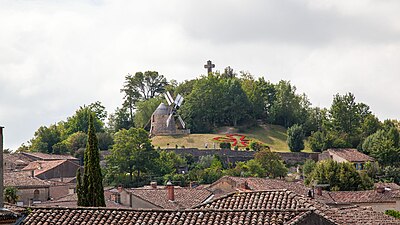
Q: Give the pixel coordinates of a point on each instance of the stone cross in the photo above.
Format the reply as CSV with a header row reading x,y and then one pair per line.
x,y
209,66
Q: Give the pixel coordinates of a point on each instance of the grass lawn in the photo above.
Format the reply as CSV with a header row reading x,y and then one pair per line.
x,y
272,135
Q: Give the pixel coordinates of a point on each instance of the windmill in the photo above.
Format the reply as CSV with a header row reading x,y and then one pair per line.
x,y
174,105
163,120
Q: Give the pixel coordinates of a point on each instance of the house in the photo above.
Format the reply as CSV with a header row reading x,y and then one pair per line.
x,y
38,156
14,162
380,199
71,200
51,169
346,155
163,197
275,207
30,189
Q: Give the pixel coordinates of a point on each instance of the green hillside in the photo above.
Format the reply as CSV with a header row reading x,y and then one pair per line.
x,y
272,135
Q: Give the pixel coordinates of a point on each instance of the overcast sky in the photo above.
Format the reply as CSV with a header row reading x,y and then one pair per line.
x,y
58,55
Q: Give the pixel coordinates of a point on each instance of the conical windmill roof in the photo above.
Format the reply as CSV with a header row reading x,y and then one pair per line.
x,y
162,109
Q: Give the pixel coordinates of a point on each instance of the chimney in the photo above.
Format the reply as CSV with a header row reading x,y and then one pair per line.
x,y
318,191
153,184
1,169
380,190
244,186
119,188
171,191
32,173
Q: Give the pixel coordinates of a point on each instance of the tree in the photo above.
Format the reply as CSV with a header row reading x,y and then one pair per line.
x,y
142,86
271,163
45,138
132,152
382,146
120,119
80,120
295,138
339,176
288,108
10,194
144,111
91,192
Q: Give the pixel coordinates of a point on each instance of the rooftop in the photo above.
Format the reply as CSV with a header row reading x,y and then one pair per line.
x,y
43,166
44,156
189,216
350,154
184,197
23,179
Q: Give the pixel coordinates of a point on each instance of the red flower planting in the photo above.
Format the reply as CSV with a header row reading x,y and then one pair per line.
x,y
235,140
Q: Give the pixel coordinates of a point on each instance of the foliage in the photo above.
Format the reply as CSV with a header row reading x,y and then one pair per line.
x,y
340,176
45,138
295,138
144,111
392,174
80,121
271,162
225,145
132,152
120,119
91,191
11,195
394,213
383,147
316,141
308,167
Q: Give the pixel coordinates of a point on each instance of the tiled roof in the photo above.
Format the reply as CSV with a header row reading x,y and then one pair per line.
x,y
43,166
350,154
167,217
23,179
360,216
369,196
184,197
44,156
287,200
16,158
71,201
272,199
257,184
391,186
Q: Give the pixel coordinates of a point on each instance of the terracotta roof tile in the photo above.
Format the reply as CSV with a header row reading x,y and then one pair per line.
x,y
369,196
158,217
350,154
184,197
23,179
360,216
44,156
43,166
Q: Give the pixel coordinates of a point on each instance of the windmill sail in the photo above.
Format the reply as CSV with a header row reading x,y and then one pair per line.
x,y
169,119
181,121
178,100
169,98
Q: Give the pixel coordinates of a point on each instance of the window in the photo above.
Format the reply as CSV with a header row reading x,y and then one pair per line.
x,y
36,195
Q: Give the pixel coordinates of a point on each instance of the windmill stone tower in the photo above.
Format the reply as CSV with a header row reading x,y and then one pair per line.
x,y
163,119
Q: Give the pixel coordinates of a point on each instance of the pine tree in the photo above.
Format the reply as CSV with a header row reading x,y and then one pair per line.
x,y
91,192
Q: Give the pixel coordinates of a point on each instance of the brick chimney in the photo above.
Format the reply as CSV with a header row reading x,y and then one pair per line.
x,y
1,169
153,184
380,190
171,191
318,191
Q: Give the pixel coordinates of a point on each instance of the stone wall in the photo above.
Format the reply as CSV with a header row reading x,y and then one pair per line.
x,y
231,156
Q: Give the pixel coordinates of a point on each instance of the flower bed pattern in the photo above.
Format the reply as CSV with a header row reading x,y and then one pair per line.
x,y
235,140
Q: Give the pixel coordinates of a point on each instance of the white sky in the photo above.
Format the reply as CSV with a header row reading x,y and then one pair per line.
x,y
57,55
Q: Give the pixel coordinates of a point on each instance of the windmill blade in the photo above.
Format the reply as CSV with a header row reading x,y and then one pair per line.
x,y
167,98
169,119
178,100
181,121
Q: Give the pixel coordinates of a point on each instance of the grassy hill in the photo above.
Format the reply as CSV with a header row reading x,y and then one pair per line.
x,y
272,135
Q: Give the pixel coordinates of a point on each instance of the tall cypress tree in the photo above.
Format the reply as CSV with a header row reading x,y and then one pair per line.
x,y
91,192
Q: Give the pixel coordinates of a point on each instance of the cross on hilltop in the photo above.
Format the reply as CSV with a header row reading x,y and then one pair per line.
x,y
209,66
